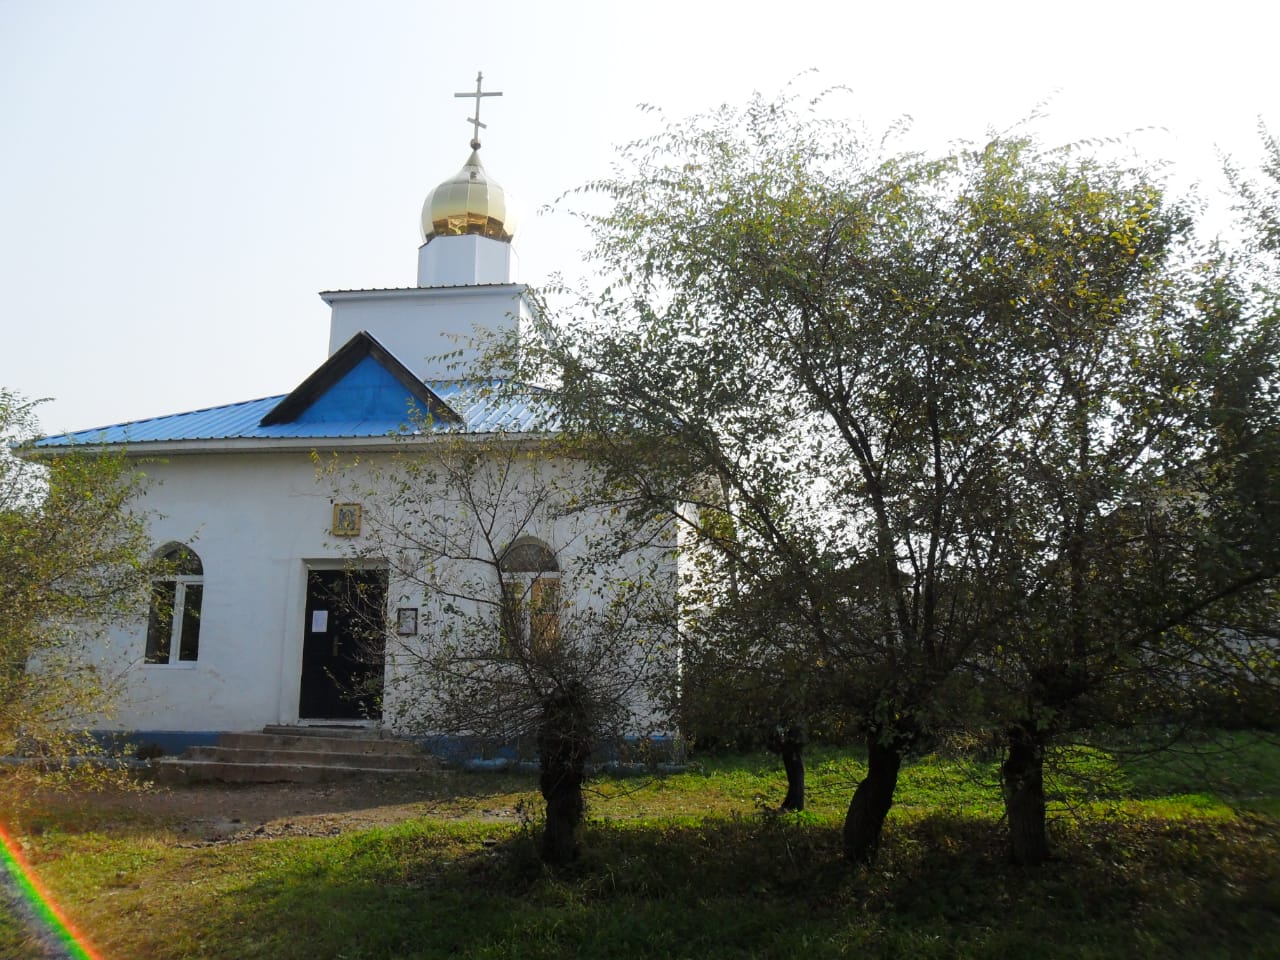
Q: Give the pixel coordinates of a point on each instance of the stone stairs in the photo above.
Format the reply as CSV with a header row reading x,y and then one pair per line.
x,y
297,755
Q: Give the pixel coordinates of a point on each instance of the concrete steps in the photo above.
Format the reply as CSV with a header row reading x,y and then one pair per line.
x,y
297,755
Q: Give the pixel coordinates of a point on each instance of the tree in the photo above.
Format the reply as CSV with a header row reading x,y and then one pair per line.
x,y
546,622
751,676
1130,531
741,687
920,389
781,321
74,559
1258,205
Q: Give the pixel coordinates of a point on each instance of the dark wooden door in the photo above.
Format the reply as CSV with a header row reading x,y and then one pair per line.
x,y
343,646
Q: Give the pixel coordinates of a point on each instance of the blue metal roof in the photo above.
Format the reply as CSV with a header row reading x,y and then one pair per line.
x,y
486,407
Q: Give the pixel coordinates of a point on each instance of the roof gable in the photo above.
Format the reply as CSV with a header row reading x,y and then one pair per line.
x,y
361,381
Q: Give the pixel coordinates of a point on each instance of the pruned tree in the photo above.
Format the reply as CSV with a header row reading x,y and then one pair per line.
x,y
931,396
741,687
751,674
545,621
782,320
75,558
1127,519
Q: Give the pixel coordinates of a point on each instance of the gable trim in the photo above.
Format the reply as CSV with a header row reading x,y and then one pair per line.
x,y
343,361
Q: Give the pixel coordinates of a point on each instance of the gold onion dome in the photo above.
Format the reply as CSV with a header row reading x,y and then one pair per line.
x,y
469,202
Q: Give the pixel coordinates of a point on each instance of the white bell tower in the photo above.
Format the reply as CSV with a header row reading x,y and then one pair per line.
x,y
467,271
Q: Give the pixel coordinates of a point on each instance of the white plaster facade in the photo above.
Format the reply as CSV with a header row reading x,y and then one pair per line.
x,y
259,523
434,331
468,259
256,520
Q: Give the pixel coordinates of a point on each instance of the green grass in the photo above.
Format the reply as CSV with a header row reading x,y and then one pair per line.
x,y
1152,859
14,941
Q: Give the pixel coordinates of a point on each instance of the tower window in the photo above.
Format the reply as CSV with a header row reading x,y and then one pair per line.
x,y
173,622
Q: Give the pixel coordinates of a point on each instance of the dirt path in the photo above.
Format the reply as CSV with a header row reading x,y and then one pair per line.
x,y
220,813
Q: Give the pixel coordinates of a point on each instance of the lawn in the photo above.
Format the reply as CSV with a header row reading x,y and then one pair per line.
x,y
1155,855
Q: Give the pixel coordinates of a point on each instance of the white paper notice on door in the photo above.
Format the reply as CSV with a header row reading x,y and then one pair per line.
x,y
319,621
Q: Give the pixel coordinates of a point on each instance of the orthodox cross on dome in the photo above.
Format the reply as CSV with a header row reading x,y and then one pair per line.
x,y
475,121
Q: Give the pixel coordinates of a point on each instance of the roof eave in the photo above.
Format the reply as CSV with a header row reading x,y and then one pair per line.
x,y
167,448
390,293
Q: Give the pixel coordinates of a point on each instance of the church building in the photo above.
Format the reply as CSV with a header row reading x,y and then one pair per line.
x,y
247,632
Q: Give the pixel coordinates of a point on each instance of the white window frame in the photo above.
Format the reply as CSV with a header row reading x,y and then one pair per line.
x,y
180,581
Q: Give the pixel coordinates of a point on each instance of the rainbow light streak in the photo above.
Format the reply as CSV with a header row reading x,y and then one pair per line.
x,y
42,905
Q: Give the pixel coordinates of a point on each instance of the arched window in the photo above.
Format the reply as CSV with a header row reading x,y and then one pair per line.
x,y
173,623
531,595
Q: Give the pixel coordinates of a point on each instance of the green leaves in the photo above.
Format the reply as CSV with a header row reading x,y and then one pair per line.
x,y
75,558
961,415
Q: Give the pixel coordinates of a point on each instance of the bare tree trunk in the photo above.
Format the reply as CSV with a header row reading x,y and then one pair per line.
x,y
789,743
1022,781
870,805
563,746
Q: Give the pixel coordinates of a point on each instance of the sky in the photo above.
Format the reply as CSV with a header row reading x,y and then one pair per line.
x,y
180,179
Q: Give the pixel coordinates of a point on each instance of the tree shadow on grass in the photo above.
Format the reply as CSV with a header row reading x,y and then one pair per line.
x,y
758,886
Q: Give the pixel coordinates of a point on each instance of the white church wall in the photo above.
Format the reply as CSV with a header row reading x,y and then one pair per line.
x,y
426,572
426,328
453,261
251,519
259,522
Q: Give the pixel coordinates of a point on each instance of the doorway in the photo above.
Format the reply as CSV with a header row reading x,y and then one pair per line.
x,y
343,645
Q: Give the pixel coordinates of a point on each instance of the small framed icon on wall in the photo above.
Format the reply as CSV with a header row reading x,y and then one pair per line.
x,y
346,519
407,621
